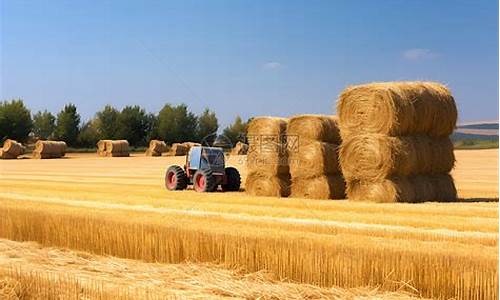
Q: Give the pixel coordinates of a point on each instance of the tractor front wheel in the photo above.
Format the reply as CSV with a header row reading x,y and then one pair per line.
x,y
233,180
175,178
204,181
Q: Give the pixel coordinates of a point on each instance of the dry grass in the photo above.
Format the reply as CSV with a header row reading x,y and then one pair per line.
x,y
44,270
442,249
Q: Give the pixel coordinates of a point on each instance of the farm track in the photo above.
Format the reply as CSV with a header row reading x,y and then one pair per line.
x,y
305,240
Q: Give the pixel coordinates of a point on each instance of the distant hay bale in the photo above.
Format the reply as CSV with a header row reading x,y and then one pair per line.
x,y
314,127
11,149
113,148
264,184
156,148
376,156
397,108
240,149
49,149
313,159
267,161
190,145
419,188
177,149
319,187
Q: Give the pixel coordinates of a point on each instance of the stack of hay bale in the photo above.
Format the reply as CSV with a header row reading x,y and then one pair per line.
x,y
113,148
49,149
313,142
396,145
156,148
240,149
267,162
11,149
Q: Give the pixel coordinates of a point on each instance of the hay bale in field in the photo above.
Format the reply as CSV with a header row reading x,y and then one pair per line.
x,y
318,187
190,145
269,185
314,127
267,161
397,108
312,144
101,147
313,159
11,149
117,148
377,156
177,149
240,149
49,149
419,188
156,148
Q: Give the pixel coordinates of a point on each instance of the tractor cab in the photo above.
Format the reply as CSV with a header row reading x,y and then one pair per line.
x,y
205,158
204,169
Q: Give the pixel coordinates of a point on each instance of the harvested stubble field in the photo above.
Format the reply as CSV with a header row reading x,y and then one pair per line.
x,y
118,206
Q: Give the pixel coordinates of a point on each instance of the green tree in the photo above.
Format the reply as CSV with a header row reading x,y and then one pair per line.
x,y
132,125
15,120
207,126
88,135
177,124
67,124
236,131
44,124
106,122
152,127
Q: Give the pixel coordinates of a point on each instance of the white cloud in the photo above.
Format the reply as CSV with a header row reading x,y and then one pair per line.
x,y
272,65
418,54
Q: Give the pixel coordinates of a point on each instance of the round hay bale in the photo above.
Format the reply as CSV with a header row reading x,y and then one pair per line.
x,y
157,146
397,108
6,155
264,184
414,189
190,145
313,159
177,150
267,153
272,126
319,187
101,147
117,146
49,149
372,157
13,148
314,127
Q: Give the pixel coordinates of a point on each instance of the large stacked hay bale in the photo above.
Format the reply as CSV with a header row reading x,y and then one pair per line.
x,y
240,149
113,148
267,162
11,149
49,149
156,148
313,142
396,145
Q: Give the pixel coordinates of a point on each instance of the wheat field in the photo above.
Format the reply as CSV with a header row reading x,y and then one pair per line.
x,y
119,207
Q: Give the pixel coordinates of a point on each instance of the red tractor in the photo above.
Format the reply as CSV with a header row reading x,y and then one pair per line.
x,y
205,170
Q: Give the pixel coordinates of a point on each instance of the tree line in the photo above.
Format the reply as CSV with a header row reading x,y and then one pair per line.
x,y
174,123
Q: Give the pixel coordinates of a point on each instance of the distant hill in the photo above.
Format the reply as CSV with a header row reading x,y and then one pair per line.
x,y
476,135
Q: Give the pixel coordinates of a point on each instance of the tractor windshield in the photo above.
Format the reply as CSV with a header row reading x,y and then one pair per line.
x,y
212,159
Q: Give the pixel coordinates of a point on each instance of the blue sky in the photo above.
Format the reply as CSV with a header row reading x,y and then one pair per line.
x,y
244,57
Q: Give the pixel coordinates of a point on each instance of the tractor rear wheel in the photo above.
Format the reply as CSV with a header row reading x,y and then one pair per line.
x,y
233,180
175,178
204,181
